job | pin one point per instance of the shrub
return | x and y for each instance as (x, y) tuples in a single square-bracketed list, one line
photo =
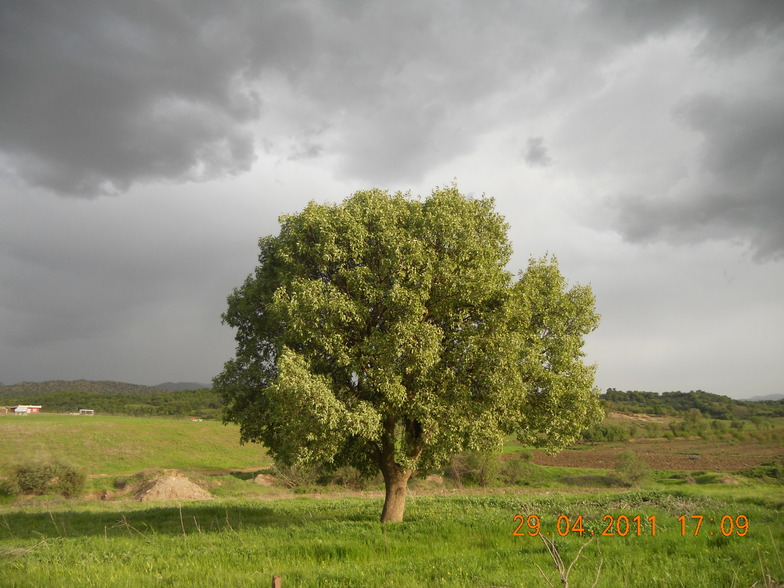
[(46, 478), (517, 471), (606, 432), (350, 478), (768, 471), (298, 476), (478, 467), (483, 467), (457, 469), (629, 469)]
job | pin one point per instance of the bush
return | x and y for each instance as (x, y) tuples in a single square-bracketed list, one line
[(48, 478), (606, 432), (629, 469), (768, 471), (350, 478), (483, 467), (298, 476), (478, 467), (517, 471)]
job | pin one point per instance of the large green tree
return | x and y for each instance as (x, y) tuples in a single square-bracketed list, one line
[(386, 333)]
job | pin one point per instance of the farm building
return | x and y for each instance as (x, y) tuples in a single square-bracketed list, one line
[(27, 409), (87, 411)]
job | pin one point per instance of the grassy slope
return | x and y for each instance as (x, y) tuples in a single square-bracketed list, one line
[(125, 445), (463, 540), (450, 541)]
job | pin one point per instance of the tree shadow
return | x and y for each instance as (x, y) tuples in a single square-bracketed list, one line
[(171, 519)]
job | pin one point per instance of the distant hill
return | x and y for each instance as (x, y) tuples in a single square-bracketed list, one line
[(769, 397), (679, 403), (177, 386), (114, 398), (92, 386)]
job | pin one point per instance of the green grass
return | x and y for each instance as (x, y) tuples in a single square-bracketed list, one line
[(449, 541), (125, 445), (247, 533)]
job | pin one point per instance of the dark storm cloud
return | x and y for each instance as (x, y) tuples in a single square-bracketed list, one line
[(99, 95), (739, 192), (735, 186), (726, 26)]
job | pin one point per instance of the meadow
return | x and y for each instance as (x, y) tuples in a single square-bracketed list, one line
[(451, 536), (125, 445)]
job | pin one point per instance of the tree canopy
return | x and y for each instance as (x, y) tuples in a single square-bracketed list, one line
[(386, 333)]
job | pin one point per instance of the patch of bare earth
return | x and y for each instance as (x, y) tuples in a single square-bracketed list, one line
[(679, 454), (171, 486)]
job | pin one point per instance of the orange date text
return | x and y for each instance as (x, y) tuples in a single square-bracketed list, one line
[(611, 526)]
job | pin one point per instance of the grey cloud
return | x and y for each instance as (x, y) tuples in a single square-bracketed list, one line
[(738, 187), (535, 153), (728, 27), (103, 95), (97, 96)]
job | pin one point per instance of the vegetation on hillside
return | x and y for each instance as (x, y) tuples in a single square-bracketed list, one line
[(203, 403), (680, 403), (94, 386)]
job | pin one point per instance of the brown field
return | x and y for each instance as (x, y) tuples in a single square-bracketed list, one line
[(679, 454)]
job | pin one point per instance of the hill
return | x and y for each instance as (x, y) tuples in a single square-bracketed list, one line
[(91, 386), (768, 398), (679, 403), (178, 386)]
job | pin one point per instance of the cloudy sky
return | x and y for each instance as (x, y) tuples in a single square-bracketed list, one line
[(145, 147)]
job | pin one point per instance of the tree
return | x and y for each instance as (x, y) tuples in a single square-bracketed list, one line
[(385, 333)]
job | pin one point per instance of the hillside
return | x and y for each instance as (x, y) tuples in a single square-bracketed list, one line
[(179, 386), (679, 403), (91, 386)]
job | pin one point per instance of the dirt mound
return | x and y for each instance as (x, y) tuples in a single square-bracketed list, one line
[(172, 486), (265, 480)]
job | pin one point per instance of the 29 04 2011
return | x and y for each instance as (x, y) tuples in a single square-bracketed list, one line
[(612, 526), (630, 525)]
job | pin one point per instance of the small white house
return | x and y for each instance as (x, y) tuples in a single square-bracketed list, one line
[(27, 409)]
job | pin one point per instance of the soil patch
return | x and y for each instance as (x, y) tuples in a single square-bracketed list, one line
[(172, 486), (679, 454), (265, 480)]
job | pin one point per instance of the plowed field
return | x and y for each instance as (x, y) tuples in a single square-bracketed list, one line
[(678, 454)]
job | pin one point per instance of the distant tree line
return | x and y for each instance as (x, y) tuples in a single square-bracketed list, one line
[(680, 403), (203, 403)]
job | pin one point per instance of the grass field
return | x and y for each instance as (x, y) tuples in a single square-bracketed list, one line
[(450, 537), (449, 541), (125, 445)]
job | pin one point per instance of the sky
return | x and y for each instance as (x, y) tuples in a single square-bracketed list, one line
[(146, 146)]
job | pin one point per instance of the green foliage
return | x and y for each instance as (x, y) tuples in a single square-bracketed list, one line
[(605, 432), (53, 477), (768, 472), (629, 470), (482, 468), (517, 471), (691, 405), (204, 402), (385, 333)]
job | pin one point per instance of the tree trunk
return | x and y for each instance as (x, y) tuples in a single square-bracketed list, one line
[(396, 484), (395, 477)]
